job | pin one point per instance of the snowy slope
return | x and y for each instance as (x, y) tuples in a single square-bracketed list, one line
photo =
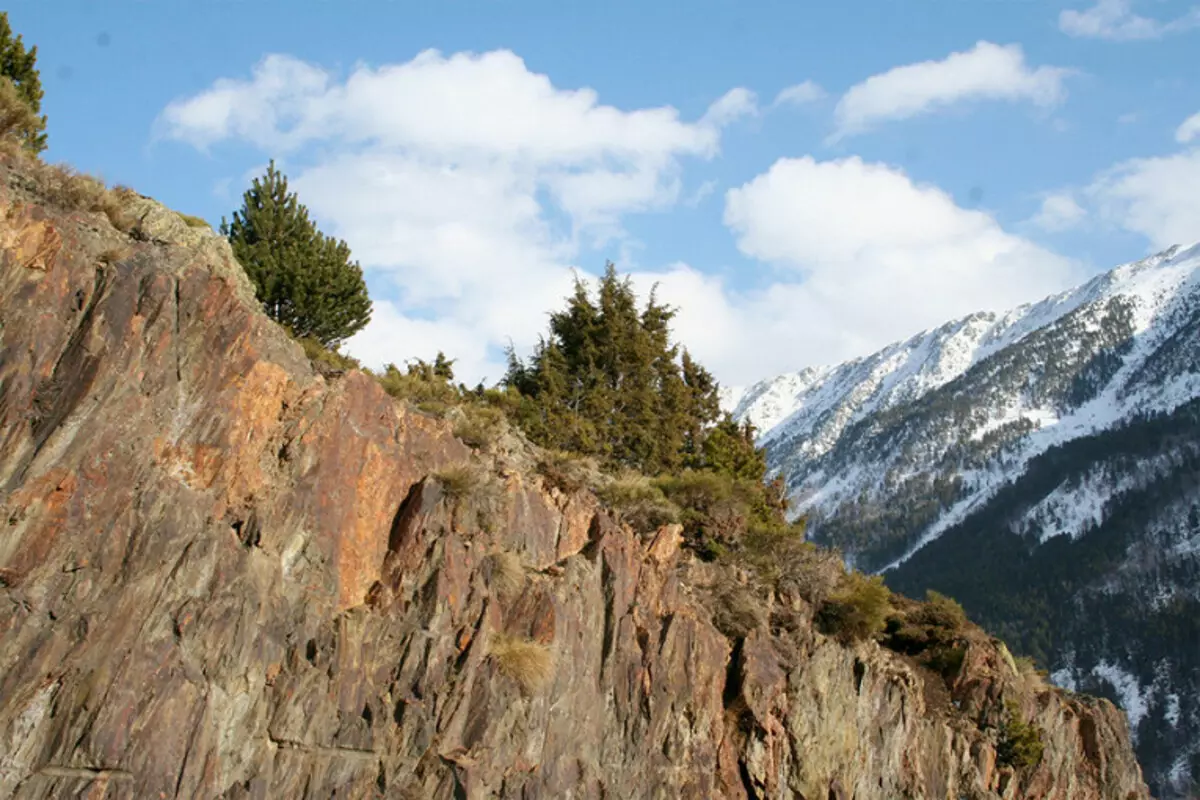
[(826, 427), (1041, 465)]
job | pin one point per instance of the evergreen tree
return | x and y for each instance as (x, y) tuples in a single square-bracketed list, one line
[(729, 449), (18, 65), (609, 382), (304, 279)]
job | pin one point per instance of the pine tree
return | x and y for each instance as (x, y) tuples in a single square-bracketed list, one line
[(608, 382), (304, 279), (18, 65)]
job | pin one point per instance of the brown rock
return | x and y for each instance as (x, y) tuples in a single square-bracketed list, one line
[(222, 575)]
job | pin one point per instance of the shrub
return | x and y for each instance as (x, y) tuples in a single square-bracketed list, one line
[(947, 661), (858, 610), (638, 502), (805, 569), (421, 385), (933, 628), (324, 360), (942, 612), (1020, 742), (568, 472), (19, 123), (528, 663), (505, 573), (736, 611), (478, 426), (1027, 667)]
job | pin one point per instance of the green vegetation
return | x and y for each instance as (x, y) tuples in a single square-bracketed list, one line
[(1020, 742), (304, 279), (932, 631), (858, 609), (325, 360), (478, 426), (607, 381), (20, 81), (18, 122), (430, 387), (639, 502), (568, 472)]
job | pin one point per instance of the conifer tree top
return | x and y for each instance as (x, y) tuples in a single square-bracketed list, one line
[(19, 66)]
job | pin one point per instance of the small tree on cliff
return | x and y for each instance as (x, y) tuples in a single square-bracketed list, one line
[(608, 381), (304, 279), (17, 65)]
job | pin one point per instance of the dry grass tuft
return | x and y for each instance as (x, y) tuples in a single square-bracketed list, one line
[(528, 663), (63, 187), (194, 222), (479, 497), (568, 472), (505, 573), (114, 255)]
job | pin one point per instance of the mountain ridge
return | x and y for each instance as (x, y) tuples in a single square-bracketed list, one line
[(1014, 436)]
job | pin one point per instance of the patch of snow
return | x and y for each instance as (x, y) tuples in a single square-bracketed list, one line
[(1180, 774), (1065, 678), (1172, 712), (1132, 697)]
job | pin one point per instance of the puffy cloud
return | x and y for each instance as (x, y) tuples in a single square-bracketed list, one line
[(799, 94), (985, 72), (1189, 129), (1059, 212), (866, 256), (1154, 197), (730, 107), (463, 183), (1115, 20)]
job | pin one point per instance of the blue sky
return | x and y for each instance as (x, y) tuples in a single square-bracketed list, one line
[(929, 159)]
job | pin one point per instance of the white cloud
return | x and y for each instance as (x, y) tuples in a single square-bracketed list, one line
[(866, 257), (463, 183), (985, 72), (1154, 197), (1189, 129), (800, 94), (1059, 212), (730, 107), (1115, 20)]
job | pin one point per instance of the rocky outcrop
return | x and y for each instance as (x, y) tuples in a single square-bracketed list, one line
[(223, 575)]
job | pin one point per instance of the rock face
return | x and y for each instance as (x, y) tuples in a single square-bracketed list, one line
[(222, 575)]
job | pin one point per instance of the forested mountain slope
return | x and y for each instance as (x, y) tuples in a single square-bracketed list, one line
[(1040, 466)]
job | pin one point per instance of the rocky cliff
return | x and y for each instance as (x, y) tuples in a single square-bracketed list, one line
[(225, 575)]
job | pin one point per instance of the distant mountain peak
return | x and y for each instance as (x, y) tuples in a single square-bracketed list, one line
[(1042, 465)]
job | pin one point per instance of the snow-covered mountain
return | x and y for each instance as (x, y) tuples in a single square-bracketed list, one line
[(970, 457)]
